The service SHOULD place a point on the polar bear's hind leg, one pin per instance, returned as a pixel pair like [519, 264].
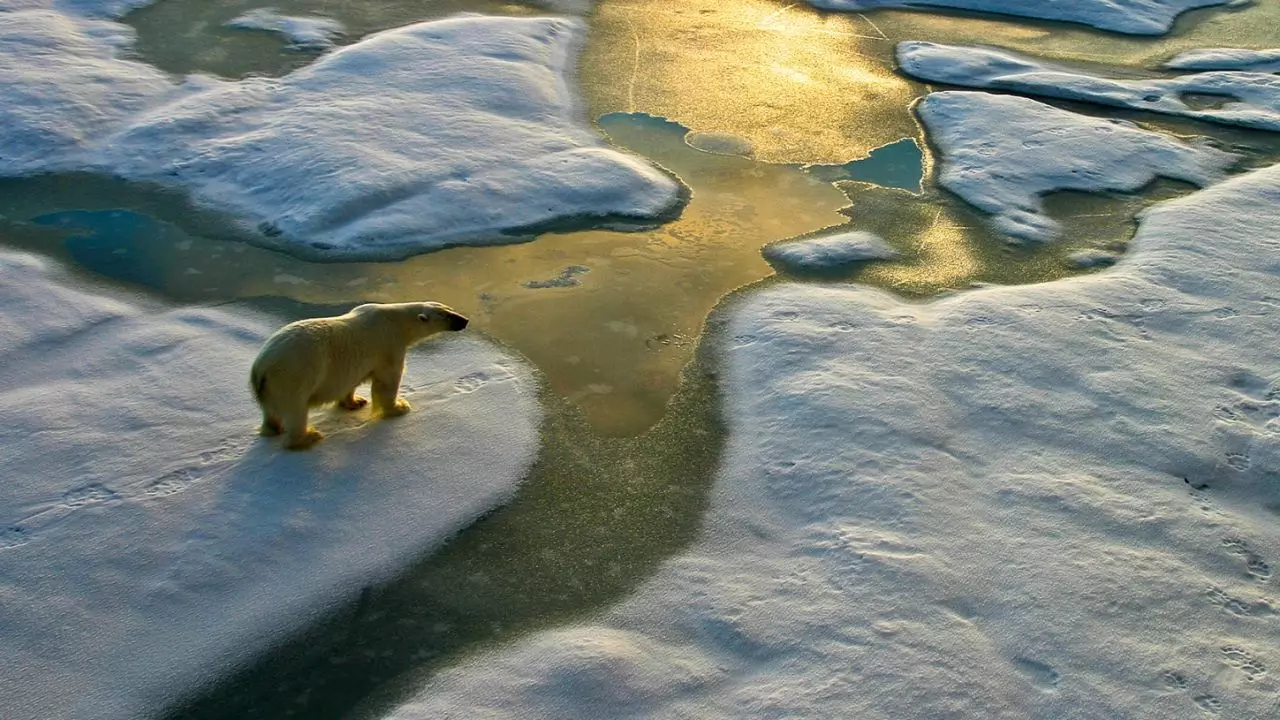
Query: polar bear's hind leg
[298, 434]
[352, 401]
[270, 426]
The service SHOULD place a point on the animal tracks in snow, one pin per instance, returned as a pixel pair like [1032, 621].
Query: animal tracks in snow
[91, 495]
[1257, 568]
[1244, 661]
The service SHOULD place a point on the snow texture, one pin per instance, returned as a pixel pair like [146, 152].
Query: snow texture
[828, 253]
[1046, 501]
[1006, 168]
[63, 82]
[150, 541]
[1227, 59]
[309, 33]
[1134, 17]
[1247, 99]
[1093, 257]
[457, 131]
[80, 8]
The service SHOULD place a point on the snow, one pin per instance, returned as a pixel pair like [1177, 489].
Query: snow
[63, 83]
[1045, 501]
[1135, 17]
[1248, 99]
[304, 32]
[1006, 169]
[827, 253]
[150, 540]
[450, 132]
[1227, 59]
[1093, 257]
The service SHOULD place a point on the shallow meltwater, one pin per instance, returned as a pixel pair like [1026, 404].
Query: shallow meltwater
[783, 122]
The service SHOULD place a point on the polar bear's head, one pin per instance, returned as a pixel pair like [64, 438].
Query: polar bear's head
[420, 319]
[439, 318]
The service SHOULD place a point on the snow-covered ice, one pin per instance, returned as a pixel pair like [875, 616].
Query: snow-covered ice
[1047, 501]
[827, 253]
[1227, 59]
[1247, 99]
[1135, 17]
[450, 132]
[1005, 167]
[63, 82]
[305, 32]
[149, 540]
[1093, 257]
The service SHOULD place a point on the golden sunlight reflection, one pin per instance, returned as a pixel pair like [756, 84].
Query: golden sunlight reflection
[801, 86]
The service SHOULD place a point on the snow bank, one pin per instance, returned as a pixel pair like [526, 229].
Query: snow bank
[1049, 501]
[150, 541]
[1248, 99]
[1227, 59]
[828, 253]
[1135, 17]
[1003, 153]
[457, 131]
[310, 33]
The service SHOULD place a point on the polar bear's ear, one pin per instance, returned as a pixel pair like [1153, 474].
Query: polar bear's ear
[423, 317]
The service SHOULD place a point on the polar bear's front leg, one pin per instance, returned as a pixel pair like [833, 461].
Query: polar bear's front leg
[386, 386]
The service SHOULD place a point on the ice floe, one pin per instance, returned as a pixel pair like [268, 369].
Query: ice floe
[150, 541]
[304, 32]
[456, 131]
[1003, 153]
[1135, 17]
[1049, 501]
[1248, 99]
[828, 253]
[1227, 59]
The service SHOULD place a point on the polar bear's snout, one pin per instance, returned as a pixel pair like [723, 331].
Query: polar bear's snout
[457, 322]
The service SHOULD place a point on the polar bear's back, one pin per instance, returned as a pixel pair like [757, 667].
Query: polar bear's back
[318, 358]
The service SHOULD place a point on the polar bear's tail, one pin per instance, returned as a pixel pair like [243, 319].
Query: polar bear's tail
[258, 381]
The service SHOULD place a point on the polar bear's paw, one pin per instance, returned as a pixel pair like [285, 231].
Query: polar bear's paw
[306, 440]
[353, 402]
[400, 407]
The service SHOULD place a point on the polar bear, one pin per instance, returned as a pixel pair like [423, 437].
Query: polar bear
[322, 360]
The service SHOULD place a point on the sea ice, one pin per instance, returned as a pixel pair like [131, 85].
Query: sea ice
[1044, 501]
[1002, 154]
[309, 33]
[451, 132]
[1227, 59]
[63, 84]
[150, 541]
[827, 253]
[1135, 17]
[1247, 99]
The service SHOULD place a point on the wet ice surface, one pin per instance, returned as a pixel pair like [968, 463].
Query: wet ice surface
[1038, 148]
[1249, 99]
[150, 540]
[1055, 500]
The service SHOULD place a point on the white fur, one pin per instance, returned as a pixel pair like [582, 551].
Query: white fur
[322, 360]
